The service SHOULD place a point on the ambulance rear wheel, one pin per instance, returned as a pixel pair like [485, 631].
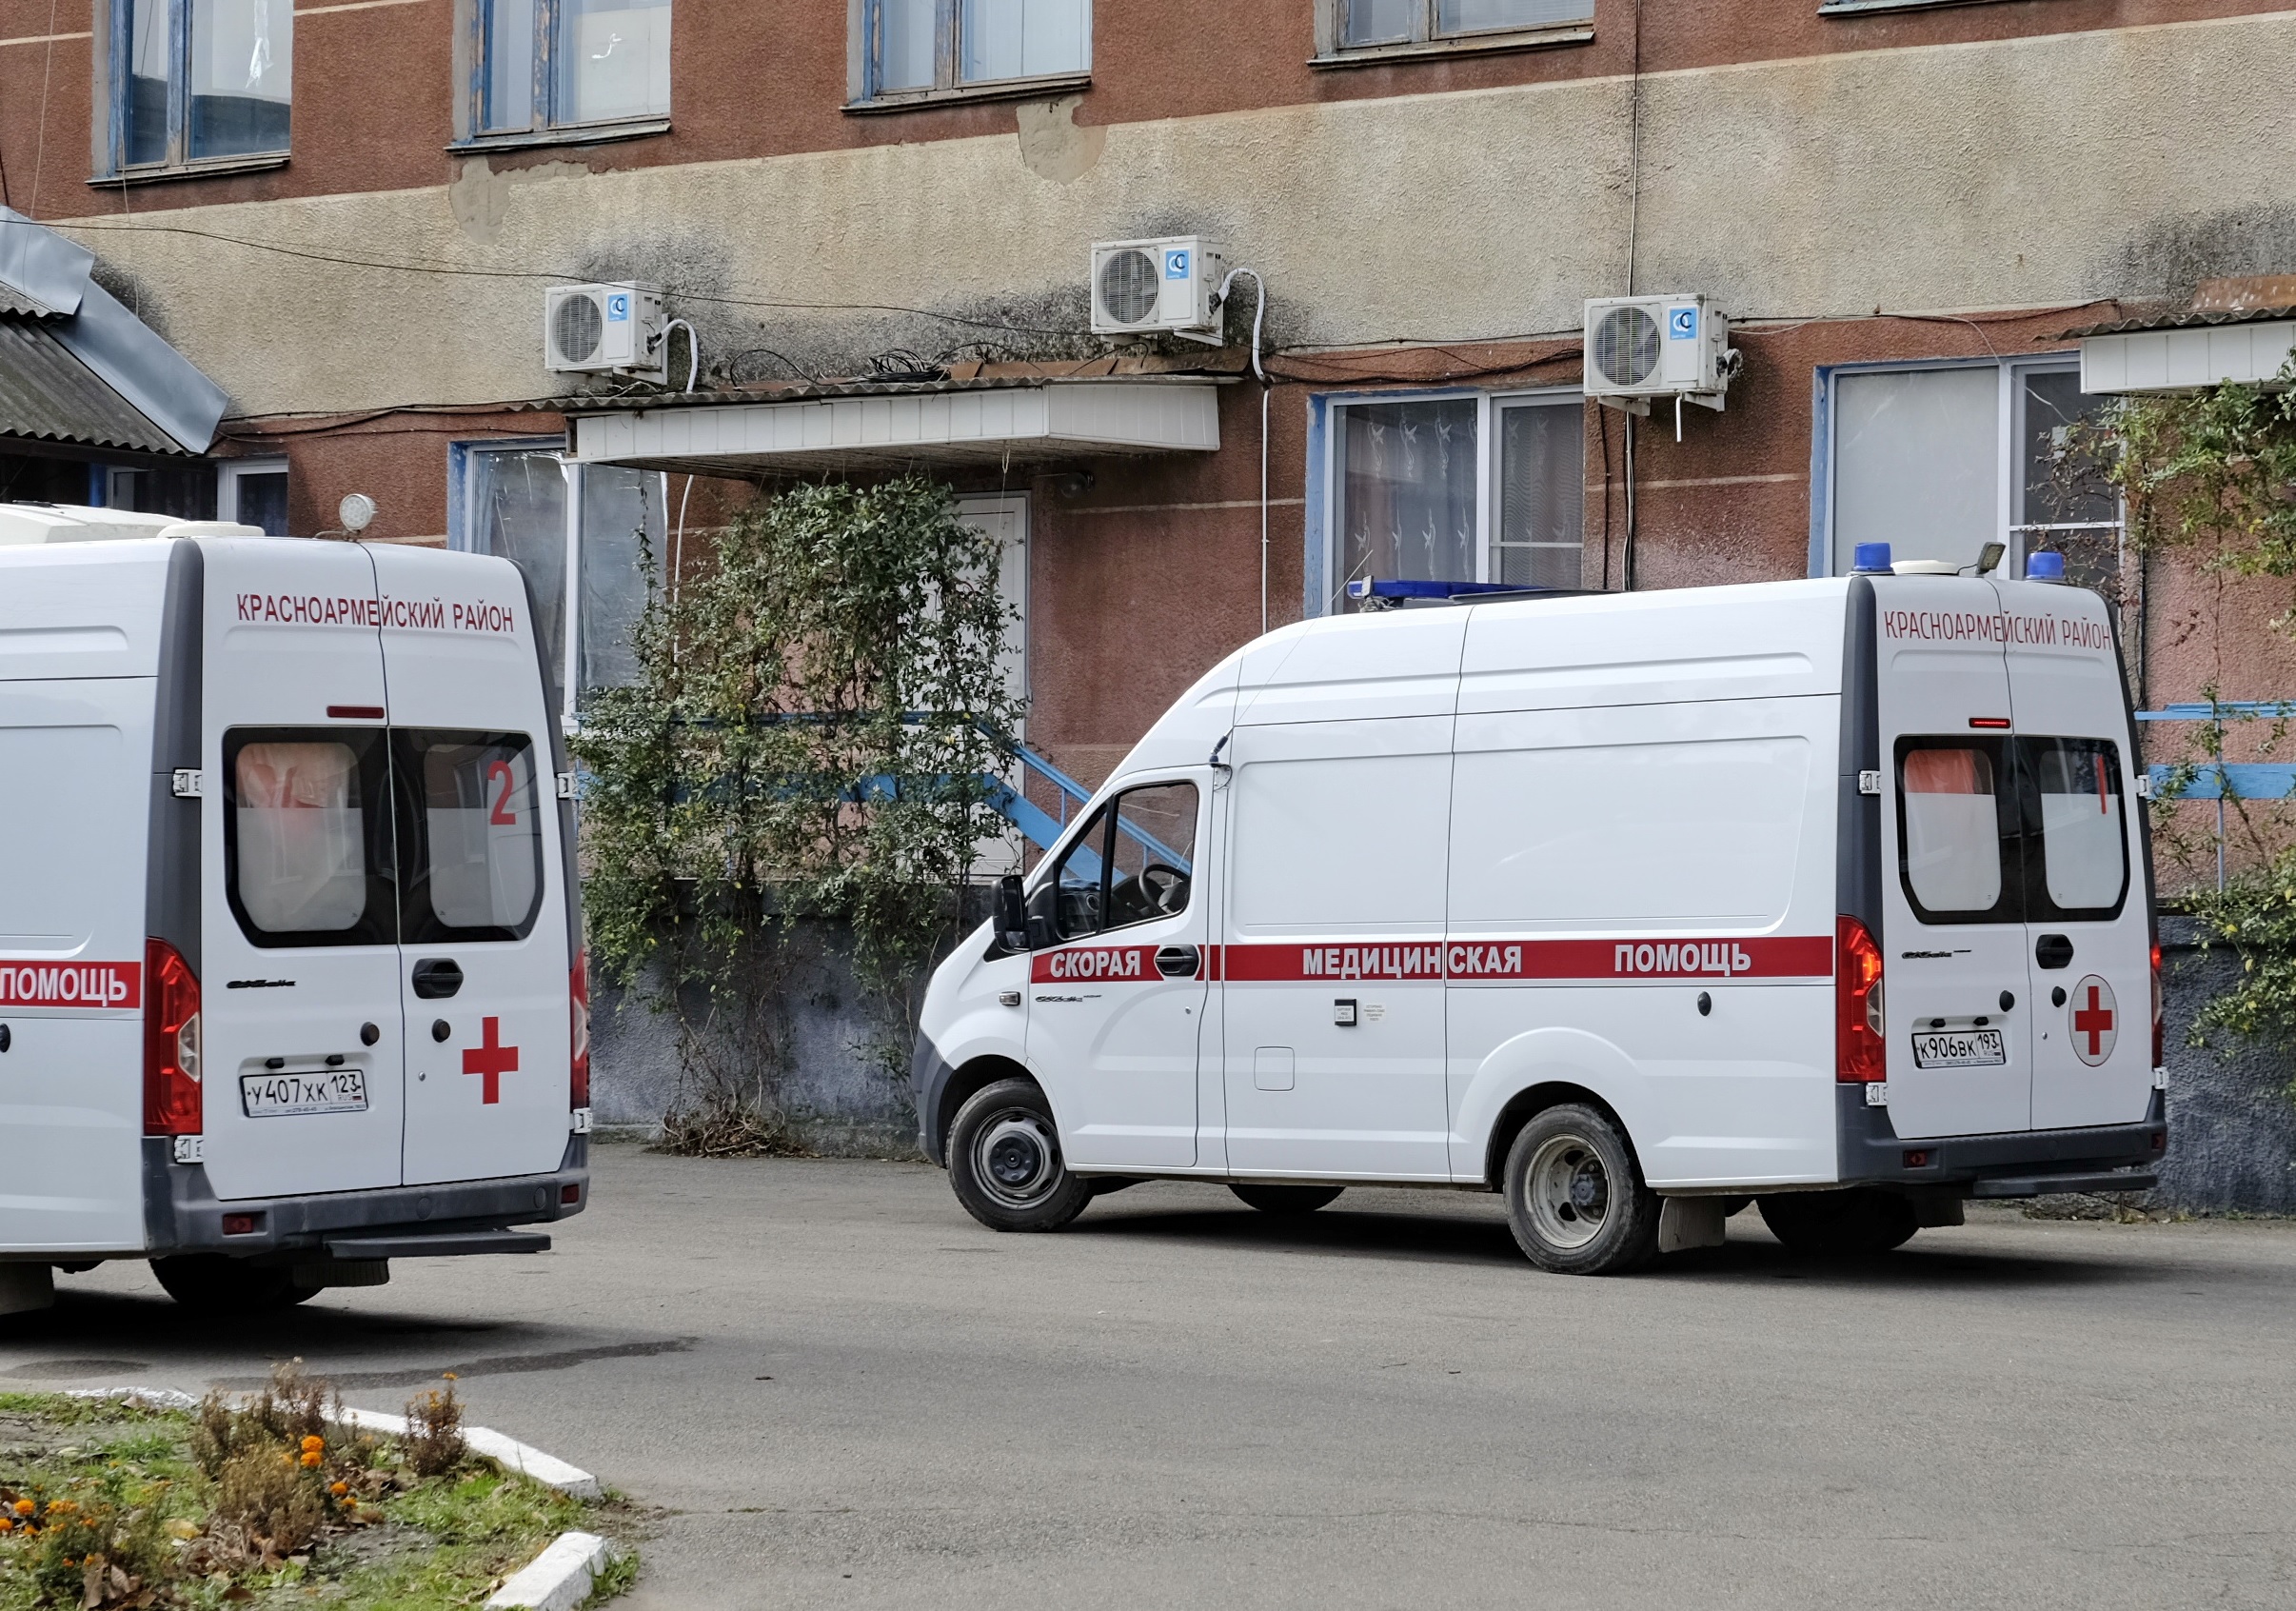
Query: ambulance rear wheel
[212, 1284]
[1840, 1223]
[1004, 1160]
[1576, 1198]
[1287, 1199]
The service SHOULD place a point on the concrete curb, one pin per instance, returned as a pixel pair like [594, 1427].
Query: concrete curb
[548, 1470]
[557, 1580]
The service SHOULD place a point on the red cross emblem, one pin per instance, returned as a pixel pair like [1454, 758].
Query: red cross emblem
[491, 1060]
[2093, 1021]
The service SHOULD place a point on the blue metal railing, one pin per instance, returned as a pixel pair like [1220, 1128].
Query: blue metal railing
[1043, 829]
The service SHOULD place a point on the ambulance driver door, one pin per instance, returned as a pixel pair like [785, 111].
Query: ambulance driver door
[1117, 985]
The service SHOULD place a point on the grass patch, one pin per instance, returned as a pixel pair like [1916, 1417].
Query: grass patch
[114, 1506]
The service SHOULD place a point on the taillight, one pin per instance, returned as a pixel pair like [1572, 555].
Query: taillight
[578, 1002]
[2157, 1042]
[1860, 1050]
[172, 1095]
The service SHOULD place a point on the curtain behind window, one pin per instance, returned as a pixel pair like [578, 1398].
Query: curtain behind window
[1916, 463]
[518, 510]
[1407, 490]
[617, 505]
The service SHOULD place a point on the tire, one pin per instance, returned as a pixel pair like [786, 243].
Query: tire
[1287, 1199]
[1576, 1198]
[1004, 1160]
[1835, 1225]
[215, 1284]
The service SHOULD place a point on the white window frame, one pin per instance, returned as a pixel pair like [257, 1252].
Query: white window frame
[1488, 406]
[227, 474]
[2009, 415]
[863, 64]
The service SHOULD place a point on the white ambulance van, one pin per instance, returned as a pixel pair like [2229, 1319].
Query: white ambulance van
[290, 980]
[1834, 895]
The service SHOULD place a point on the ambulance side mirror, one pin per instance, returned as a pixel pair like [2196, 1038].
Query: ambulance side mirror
[1011, 912]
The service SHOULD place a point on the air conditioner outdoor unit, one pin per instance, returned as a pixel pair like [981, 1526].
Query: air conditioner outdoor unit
[1172, 285]
[1638, 347]
[609, 328]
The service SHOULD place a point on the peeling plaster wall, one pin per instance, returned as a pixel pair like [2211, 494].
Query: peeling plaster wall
[1913, 179]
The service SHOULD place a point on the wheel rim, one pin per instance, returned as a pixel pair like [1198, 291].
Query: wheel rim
[1569, 1191]
[1016, 1158]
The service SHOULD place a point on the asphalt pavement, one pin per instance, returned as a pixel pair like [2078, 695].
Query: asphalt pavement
[840, 1391]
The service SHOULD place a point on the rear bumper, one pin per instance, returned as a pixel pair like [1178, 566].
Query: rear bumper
[181, 1213]
[2018, 1163]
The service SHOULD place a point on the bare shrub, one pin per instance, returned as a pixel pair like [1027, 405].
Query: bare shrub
[268, 1492]
[290, 1407]
[434, 1432]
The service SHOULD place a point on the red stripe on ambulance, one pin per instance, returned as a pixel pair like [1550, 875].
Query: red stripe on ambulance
[1770, 957]
[80, 984]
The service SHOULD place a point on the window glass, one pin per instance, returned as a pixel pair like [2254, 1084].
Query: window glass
[2084, 844]
[242, 59]
[1407, 490]
[1076, 882]
[1348, 842]
[517, 500]
[1916, 463]
[474, 870]
[2059, 484]
[1475, 16]
[613, 60]
[1621, 834]
[1153, 861]
[1950, 826]
[302, 813]
[508, 36]
[1541, 495]
[618, 564]
[151, 61]
[1021, 38]
[1381, 22]
[905, 45]
[263, 501]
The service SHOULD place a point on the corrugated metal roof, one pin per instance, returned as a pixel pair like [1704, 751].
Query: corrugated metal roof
[14, 301]
[48, 395]
[2186, 321]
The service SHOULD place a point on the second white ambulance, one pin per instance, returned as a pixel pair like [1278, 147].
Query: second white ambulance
[1832, 894]
[290, 980]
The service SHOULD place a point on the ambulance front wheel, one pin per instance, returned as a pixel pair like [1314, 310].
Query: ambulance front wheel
[1004, 1160]
[1576, 1198]
[213, 1283]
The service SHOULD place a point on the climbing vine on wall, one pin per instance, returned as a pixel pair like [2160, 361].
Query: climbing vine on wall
[819, 714]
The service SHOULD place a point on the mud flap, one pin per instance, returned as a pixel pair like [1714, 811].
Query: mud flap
[25, 1287]
[1690, 1221]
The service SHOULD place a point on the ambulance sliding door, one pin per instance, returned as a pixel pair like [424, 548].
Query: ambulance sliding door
[1332, 1000]
[300, 958]
[484, 958]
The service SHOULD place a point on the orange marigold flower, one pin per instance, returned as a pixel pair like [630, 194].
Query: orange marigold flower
[338, 1489]
[313, 1443]
[24, 1507]
[312, 1456]
[7, 1524]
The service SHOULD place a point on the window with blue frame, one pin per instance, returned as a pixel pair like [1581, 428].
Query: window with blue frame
[545, 65]
[198, 81]
[918, 46]
[1371, 23]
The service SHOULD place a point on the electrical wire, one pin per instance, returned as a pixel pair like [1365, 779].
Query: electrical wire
[693, 349]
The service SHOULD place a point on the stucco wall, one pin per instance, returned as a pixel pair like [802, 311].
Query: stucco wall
[1928, 178]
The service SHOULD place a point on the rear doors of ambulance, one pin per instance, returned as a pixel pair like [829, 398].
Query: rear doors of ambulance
[299, 965]
[2087, 918]
[483, 963]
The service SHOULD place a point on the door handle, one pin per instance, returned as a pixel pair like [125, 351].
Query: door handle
[436, 977]
[1177, 961]
[2053, 950]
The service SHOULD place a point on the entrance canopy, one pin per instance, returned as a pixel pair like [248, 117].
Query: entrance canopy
[866, 427]
[2191, 349]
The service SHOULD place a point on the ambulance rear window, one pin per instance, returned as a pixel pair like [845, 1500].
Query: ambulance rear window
[301, 816]
[2084, 841]
[473, 870]
[1951, 829]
